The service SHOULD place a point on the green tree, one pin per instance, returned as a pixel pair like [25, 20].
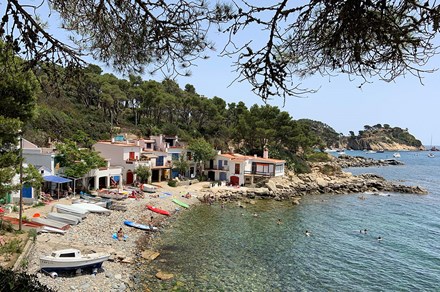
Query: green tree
[181, 164]
[202, 151]
[143, 173]
[18, 89]
[299, 39]
[77, 162]
[32, 177]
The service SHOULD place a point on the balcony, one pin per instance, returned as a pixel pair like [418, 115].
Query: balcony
[259, 173]
[216, 167]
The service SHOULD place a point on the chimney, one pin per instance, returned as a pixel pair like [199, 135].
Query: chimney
[265, 152]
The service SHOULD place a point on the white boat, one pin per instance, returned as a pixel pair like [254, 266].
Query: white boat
[51, 223]
[431, 155]
[47, 229]
[148, 188]
[65, 218]
[371, 152]
[72, 210]
[71, 259]
[396, 155]
[92, 208]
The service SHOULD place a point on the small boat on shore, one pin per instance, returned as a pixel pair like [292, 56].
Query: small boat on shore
[71, 259]
[47, 229]
[64, 218]
[92, 208]
[51, 223]
[180, 203]
[157, 210]
[72, 210]
[140, 226]
[396, 155]
[148, 188]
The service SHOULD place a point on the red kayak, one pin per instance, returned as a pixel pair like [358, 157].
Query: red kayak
[157, 210]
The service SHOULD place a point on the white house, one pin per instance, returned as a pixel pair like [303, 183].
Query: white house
[240, 169]
[123, 154]
[41, 157]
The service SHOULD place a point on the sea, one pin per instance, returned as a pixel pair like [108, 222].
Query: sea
[210, 248]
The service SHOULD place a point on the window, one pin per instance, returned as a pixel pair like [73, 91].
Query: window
[279, 168]
[175, 156]
[225, 162]
[67, 255]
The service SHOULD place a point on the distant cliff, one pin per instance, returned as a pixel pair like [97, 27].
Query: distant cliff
[384, 137]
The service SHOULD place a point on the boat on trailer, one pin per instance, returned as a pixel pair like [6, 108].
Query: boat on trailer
[71, 259]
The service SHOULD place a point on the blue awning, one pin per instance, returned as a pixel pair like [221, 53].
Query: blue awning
[56, 179]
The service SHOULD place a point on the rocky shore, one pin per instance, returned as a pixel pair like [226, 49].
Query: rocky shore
[345, 161]
[94, 234]
[121, 272]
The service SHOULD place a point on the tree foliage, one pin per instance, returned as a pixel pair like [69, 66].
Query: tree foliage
[181, 164]
[18, 89]
[143, 173]
[12, 281]
[75, 161]
[365, 38]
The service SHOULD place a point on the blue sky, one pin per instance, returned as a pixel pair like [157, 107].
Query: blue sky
[339, 102]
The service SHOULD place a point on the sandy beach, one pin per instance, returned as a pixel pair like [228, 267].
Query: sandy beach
[94, 234]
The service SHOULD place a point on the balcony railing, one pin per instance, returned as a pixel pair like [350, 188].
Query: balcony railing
[262, 173]
[216, 167]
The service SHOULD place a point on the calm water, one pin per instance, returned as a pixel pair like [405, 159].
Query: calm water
[214, 249]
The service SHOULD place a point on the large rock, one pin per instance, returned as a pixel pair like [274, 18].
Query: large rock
[150, 254]
[164, 276]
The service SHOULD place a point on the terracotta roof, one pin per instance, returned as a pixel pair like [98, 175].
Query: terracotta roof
[239, 157]
[120, 144]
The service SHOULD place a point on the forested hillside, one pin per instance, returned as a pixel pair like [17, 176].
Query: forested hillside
[383, 137]
[97, 105]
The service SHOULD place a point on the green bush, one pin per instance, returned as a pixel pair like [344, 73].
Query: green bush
[172, 183]
[328, 169]
[6, 226]
[318, 157]
[11, 281]
[13, 246]
[33, 234]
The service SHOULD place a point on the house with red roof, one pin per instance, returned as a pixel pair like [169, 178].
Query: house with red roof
[237, 169]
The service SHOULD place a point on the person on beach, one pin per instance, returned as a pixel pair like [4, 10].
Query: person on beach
[120, 234]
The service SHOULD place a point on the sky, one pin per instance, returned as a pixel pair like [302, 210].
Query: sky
[339, 102]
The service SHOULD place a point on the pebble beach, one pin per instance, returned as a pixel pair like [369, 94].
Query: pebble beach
[94, 234]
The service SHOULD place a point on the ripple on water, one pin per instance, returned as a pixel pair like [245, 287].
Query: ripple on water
[212, 249]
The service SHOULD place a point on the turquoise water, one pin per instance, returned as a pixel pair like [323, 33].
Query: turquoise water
[215, 249]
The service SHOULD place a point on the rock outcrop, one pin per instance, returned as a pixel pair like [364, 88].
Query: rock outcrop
[294, 186]
[345, 161]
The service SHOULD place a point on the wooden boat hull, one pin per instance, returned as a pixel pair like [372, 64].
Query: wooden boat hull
[157, 210]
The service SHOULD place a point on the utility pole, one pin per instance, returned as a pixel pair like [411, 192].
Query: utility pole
[20, 217]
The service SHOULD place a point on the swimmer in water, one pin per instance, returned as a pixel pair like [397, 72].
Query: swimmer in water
[379, 239]
[279, 222]
[307, 233]
[365, 231]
